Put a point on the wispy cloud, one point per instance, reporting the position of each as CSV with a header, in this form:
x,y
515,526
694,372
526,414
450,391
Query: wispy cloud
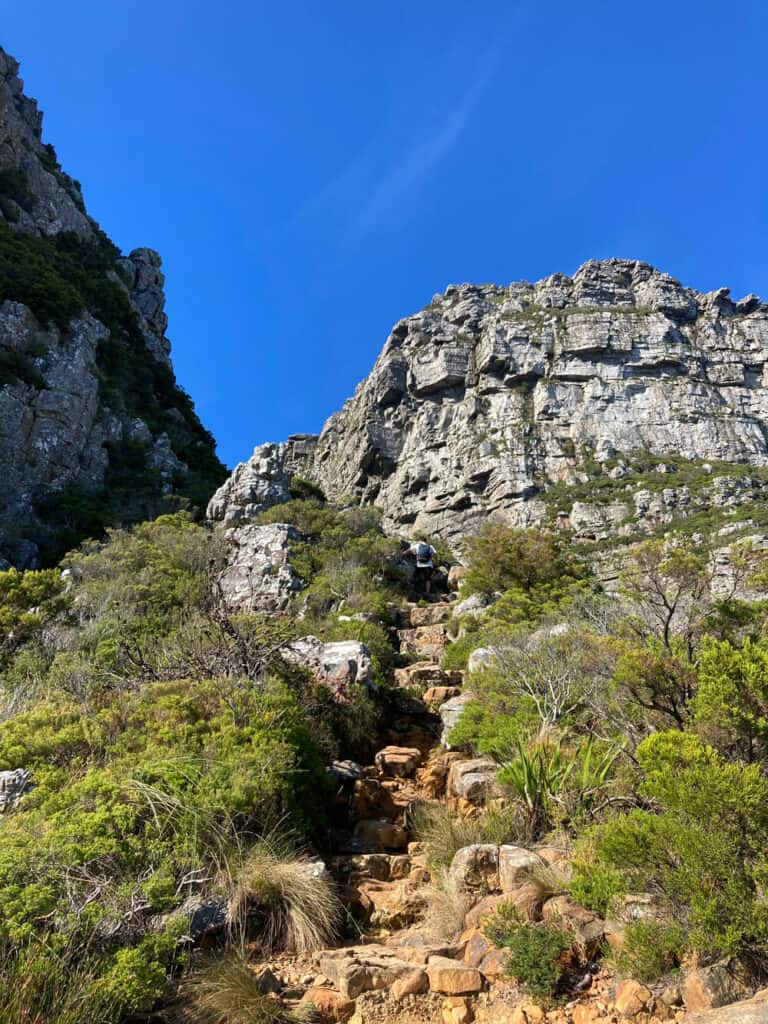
x,y
399,160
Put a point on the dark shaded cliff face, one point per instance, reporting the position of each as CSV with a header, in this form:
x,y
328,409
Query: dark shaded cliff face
x,y
94,429
600,402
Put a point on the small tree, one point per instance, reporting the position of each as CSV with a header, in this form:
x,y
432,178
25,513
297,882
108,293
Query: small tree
x,y
731,704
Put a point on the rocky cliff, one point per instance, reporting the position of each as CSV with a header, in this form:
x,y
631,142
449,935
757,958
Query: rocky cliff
x,y
93,427
610,399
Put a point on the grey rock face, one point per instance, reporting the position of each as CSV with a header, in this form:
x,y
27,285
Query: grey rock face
x,y
258,575
13,785
339,665
58,420
489,396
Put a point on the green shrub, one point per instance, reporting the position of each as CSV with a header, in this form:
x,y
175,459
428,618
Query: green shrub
x,y
500,558
596,886
703,852
535,950
651,949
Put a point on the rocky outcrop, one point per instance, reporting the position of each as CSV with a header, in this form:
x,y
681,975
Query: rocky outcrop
x,y
88,401
488,398
257,576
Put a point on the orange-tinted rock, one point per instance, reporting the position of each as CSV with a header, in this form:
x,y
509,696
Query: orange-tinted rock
x,y
457,1010
632,998
411,984
329,1006
452,977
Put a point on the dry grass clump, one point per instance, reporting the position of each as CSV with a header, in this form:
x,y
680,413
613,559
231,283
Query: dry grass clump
x,y
447,905
443,833
228,991
296,907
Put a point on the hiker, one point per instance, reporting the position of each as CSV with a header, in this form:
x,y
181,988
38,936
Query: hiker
x,y
423,554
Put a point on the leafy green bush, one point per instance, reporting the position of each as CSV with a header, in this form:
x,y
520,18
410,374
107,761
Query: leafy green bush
x,y
500,558
651,949
704,852
731,703
535,950
596,886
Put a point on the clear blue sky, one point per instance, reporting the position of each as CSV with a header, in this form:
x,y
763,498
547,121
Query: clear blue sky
x,y
312,172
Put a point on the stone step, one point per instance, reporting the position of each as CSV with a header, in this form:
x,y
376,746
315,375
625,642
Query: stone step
x,y
426,642
430,614
424,674
398,762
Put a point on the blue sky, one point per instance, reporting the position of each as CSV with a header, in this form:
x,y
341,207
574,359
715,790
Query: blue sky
x,y
313,172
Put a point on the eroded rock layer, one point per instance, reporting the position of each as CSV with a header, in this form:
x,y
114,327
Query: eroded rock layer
x,y
488,398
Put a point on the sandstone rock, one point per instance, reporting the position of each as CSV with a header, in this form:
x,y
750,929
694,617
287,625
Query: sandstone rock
x,y
473,780
749,1011
359,969
476,866
60,427
632,998
411,984
424,674
430,614
381,834
455,575
516,865
14,783
436,696
724,982
474,605
452,977
480,658
450,713
398,761
482,398
329,1006
484,909
457,1010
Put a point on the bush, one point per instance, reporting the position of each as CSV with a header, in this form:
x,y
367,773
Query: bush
x,y
703,852
535,950
651,949
500,558
444,833
596,886
296,908
228,991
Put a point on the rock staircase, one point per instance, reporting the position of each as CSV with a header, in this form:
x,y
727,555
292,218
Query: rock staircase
x,y
394,972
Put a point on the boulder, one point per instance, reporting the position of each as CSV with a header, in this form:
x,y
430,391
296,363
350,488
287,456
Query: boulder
x,y
381,834
450,713
457,1010
455,575
257,576
359,969
399,762
412,984
14,783
339,665
516,864
329,1007
430,614
746,1011
476,867
422,674
719,984
474,605
632,998
473,780
436,696
451,977
480,658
